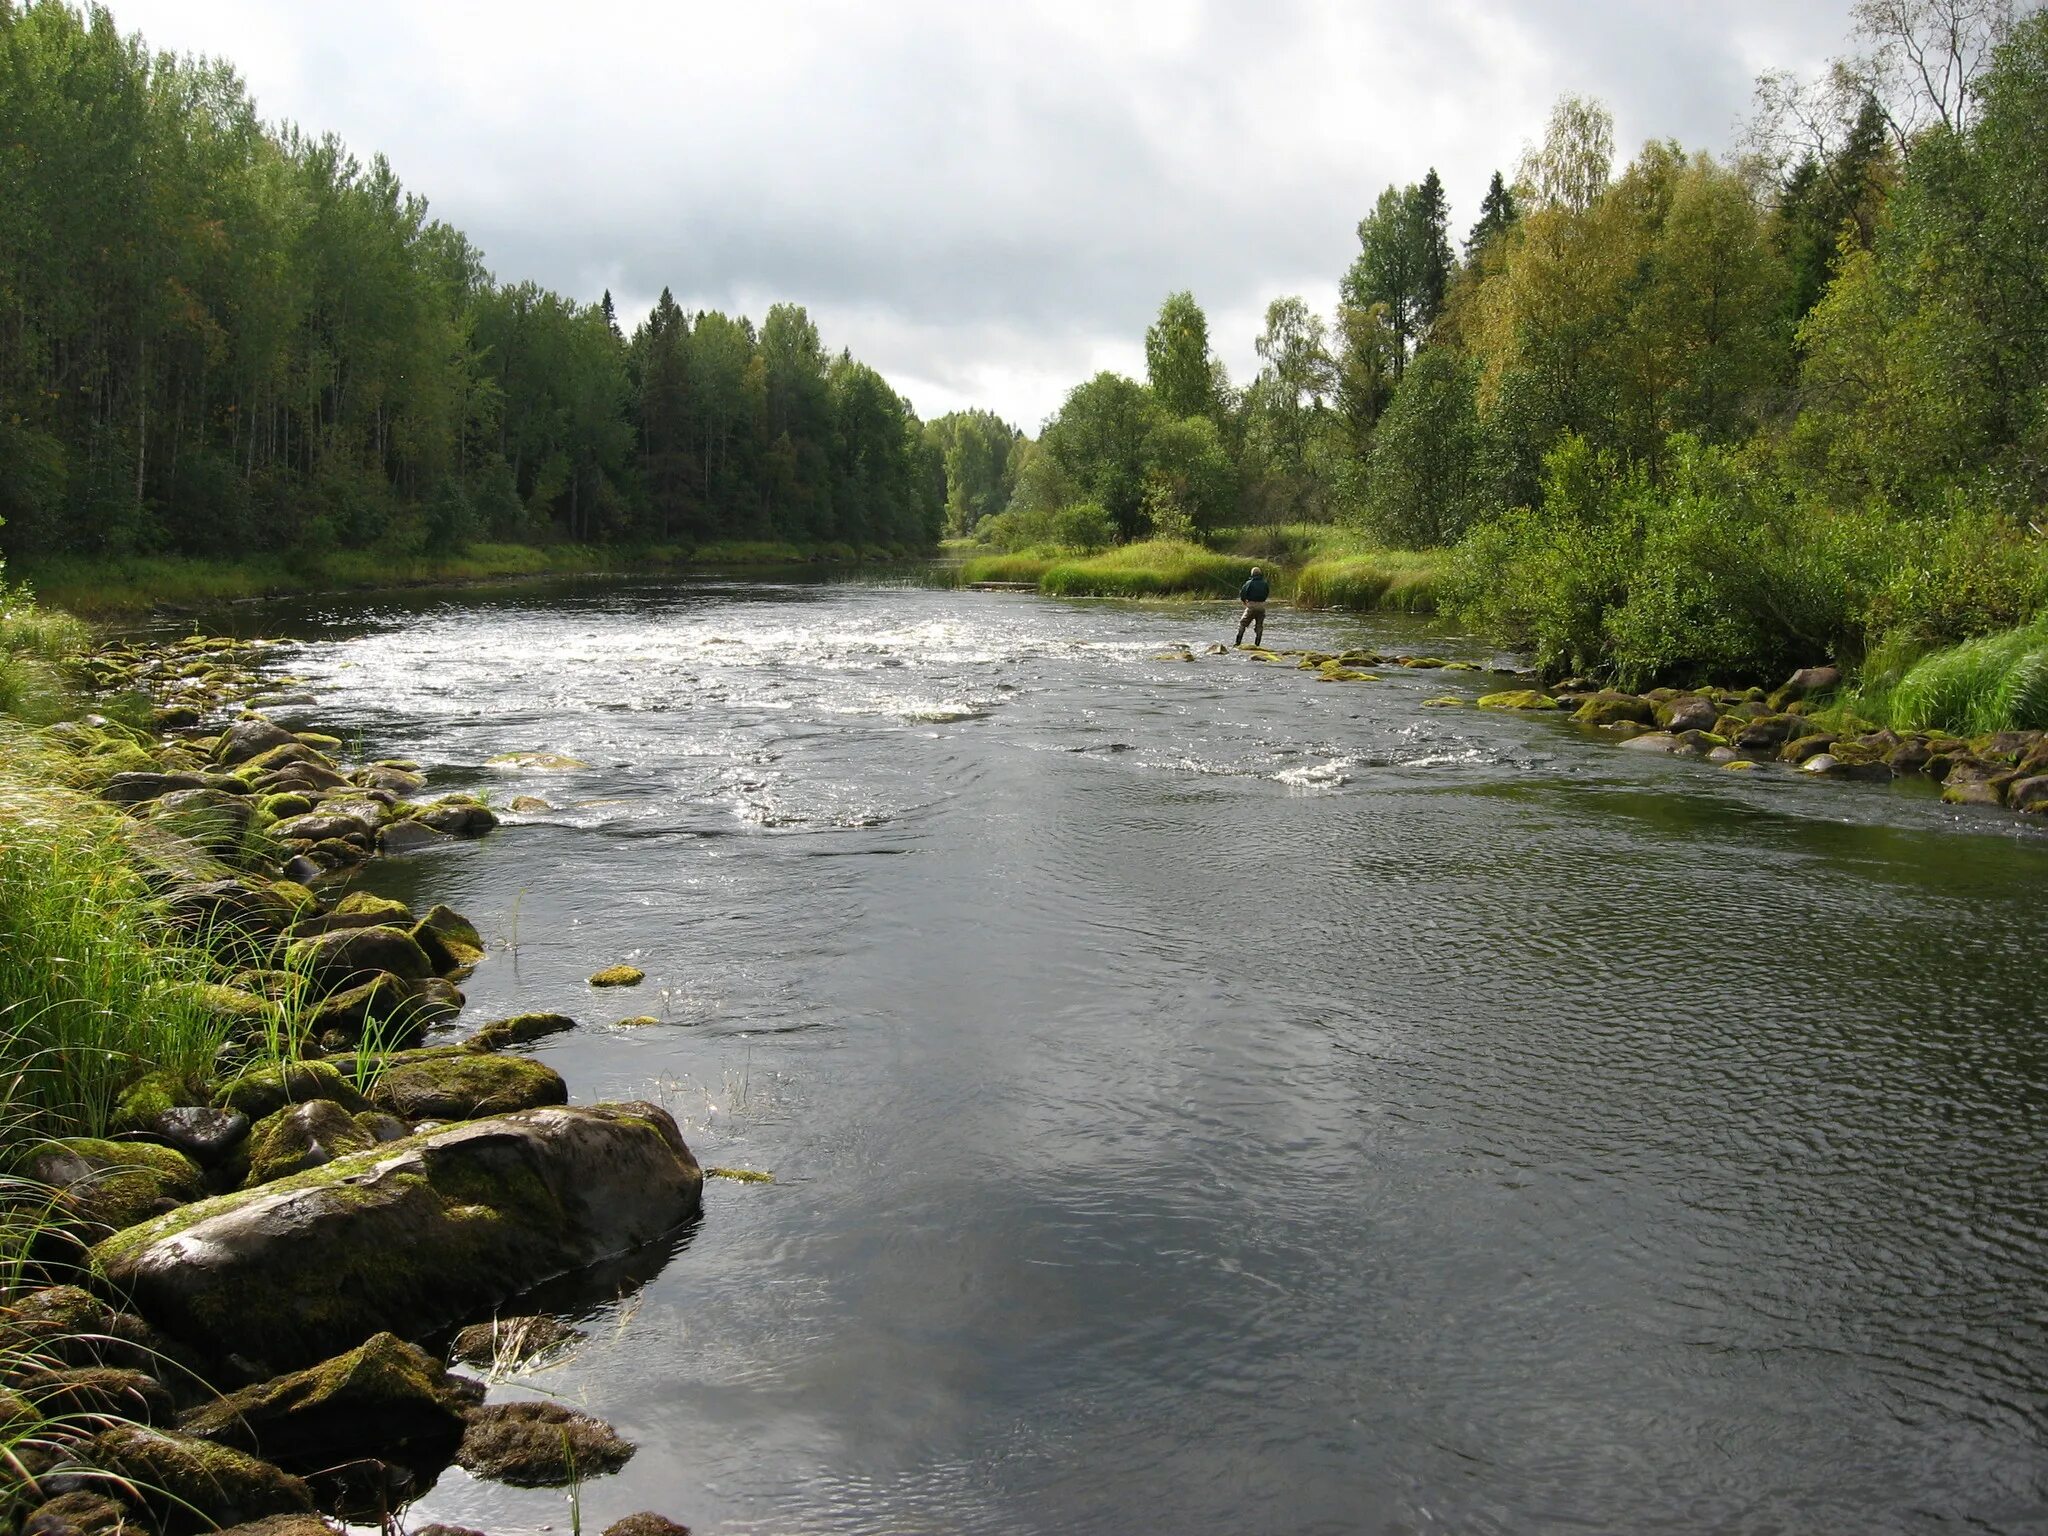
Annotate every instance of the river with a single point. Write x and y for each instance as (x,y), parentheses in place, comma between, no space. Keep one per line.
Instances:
(1201,1097)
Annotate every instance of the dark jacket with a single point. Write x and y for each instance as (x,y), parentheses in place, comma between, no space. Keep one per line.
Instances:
(1255,590)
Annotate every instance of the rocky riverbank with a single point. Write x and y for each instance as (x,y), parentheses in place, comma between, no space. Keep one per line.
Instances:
(244,1299)
(1795,726)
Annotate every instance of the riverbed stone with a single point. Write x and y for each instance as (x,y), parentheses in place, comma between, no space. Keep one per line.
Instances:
(519,1029)
(454,1082)
(1517,698)
(458,815)
(249,738)
(203,1133)
(539,1445)
(646,1523)
(231,903)
(619,976)
(1687,712)
(383,1396)
(1801,748)
(1769,732)
(302,1136)
(140,788)
(2028,794)
(1972,781)
(507,1343)
(403,837)
(1653,741)
(1609,706)
(79,1392)
(421,1233)
(349,957)
(114,1184)
(190,1485)
(82,1512)
(264,1090)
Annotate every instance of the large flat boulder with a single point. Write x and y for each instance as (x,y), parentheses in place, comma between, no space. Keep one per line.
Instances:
(408,1237)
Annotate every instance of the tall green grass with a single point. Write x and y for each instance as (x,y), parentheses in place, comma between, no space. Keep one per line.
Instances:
(1400,579)
(1291,544)
(36,643)
(1018,567)
(1155,568)
(92,992)
(1993,683)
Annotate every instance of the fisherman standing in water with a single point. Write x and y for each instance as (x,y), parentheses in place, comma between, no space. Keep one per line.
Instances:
(1253,595)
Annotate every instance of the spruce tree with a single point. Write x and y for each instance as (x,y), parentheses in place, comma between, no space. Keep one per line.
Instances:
(1497,215)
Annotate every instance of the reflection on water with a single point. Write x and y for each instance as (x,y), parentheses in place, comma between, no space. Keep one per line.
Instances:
(1201,1096)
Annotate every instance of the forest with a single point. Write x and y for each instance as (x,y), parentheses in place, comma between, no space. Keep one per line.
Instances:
(1696,417)
(1689,416)
(221,337)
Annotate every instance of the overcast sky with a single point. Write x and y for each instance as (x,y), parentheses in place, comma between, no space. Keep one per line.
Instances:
(987,202)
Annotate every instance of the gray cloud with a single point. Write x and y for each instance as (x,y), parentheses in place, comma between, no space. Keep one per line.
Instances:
(986,202)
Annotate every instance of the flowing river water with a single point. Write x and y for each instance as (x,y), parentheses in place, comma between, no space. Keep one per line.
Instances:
(1201,1097)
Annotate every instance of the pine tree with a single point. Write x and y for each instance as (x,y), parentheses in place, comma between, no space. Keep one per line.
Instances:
(1497,215)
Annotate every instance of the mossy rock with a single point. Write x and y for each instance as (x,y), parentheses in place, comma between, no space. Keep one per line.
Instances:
(1740,765)
(284,806)
(115,1184)
(81,1512)
(385,1395)
(1332,673)
(1517,698)
(190,1485)
(553,761)
(619,976)
(507,1343)
(539,1445)
(96,1392)
(432,1230)
(149,1096)
(350,956)
(1801,748)
(263,1091)
(638,1021)
(456,1083)
(379,909)
(1443,701)
(320,741)
(1426,662)
(1461,666)
(1608,708)
(302,1136)
(519,1029)
(449,956)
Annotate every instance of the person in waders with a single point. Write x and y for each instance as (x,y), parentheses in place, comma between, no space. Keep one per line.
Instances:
(1253,595)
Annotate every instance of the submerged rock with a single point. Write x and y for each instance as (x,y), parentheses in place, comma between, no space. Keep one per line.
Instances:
(1518,698)
(539,1445)
(410,1236)
(509,1342)
(519,1029)
(619,976)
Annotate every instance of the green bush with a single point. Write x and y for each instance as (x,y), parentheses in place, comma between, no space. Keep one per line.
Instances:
(1403,580)
(1153,568)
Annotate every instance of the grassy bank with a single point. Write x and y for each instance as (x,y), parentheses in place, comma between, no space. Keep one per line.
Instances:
(1995,682)
(1313,565)
(104,587)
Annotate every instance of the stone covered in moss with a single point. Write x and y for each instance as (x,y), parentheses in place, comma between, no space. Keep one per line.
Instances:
(302,1136)
(456,1083)
(351,956)
(265,1090)
(506,1343)
(385,1395)
(81,1512)
(519,1029)
(189,1485)
(114,1184)
(1517,698)
(420,1233)
(619,976)
(539,1445)
(646,1523)
(1608,707)
(96,1391)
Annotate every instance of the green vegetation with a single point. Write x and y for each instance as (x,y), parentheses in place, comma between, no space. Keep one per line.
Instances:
(1157,568)
(266,345)
(1701,419)
(95,990)
(1995,682)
